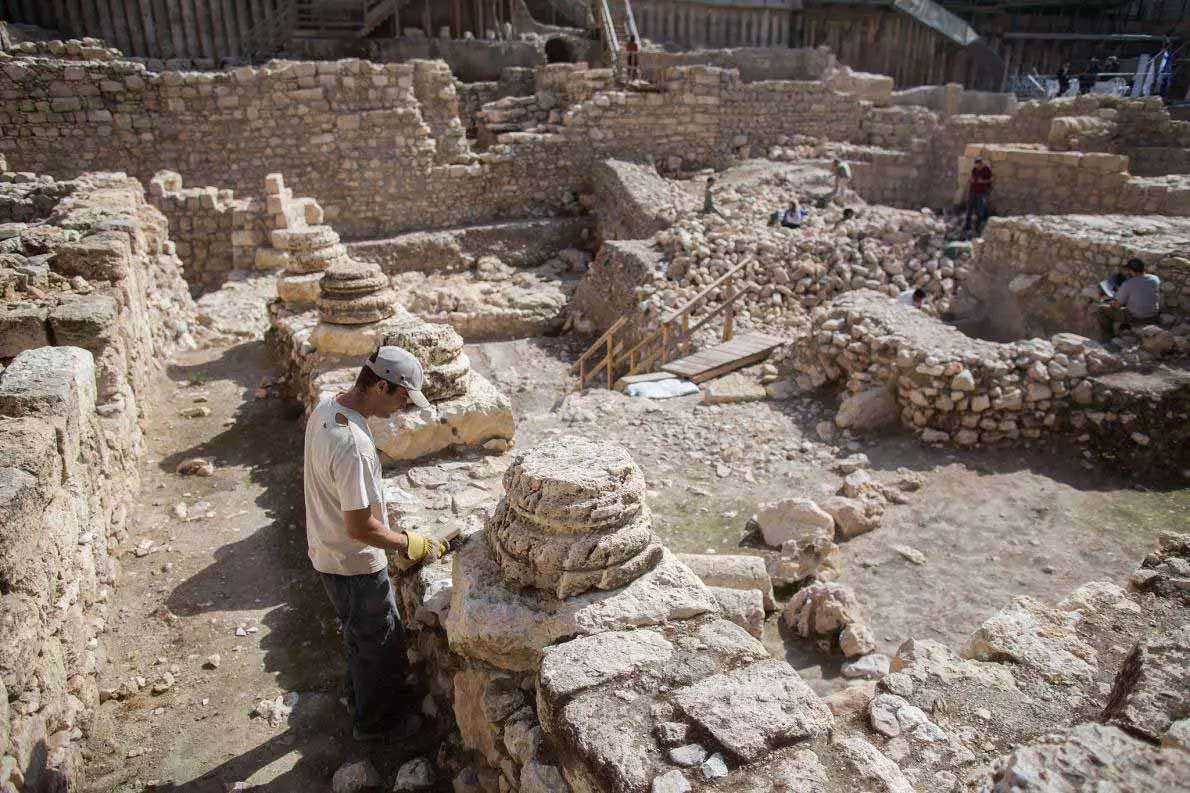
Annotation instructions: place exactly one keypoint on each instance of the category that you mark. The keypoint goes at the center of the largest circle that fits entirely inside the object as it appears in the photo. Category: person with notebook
(1137, 302)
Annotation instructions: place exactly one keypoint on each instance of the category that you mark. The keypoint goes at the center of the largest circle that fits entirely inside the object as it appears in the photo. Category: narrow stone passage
(217, 566)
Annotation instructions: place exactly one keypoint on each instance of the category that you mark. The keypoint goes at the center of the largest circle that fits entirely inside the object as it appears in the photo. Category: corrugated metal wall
(194, 29)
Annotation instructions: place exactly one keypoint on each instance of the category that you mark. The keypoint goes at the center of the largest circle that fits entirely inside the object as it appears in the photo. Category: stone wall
(1030, 180)
(755, 64)
(951, 388)
(381, 146)
(213, 231)
(100, 282)
(633, 201)
(1038, 275)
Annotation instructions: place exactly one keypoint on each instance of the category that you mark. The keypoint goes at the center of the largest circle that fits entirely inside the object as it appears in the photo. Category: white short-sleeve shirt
(342, 473)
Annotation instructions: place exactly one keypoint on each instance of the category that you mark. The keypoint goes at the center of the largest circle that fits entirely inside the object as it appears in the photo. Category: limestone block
(29, 444)
(732, 388)
(483, 698)
(54, 383)
(99, 257)
(23, 629)
(869, 410)
(871, 765)
(732, 571)
(480, 415)
(22, 327)
(1152, 688)
(744, 607)
(793, 519)
(573, 519)
(597, 661)
(299, 289)
(755, 709)
(1039, 638)
(509, 626)
(87, 321)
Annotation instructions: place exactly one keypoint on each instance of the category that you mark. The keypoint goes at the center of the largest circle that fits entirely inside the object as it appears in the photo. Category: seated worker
(794, 216)
(1137, 302)
(912, 297)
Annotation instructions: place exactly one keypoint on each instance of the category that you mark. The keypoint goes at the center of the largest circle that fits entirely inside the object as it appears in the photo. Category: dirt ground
(991, 524)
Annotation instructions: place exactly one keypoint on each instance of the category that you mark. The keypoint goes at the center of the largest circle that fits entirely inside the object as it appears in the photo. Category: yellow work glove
(422, 547)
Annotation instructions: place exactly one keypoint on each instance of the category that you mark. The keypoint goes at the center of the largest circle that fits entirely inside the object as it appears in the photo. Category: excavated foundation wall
(921, 174)
(94, 300)
(214, 232)
(1038, 275)
(950, 388)
(379, 145)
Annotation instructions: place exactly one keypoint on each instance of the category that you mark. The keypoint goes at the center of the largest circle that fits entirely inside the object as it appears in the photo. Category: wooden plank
(136, 35)
(190, 29)
(244, 25)
(202, 14)
(105, 23)
(218, 36)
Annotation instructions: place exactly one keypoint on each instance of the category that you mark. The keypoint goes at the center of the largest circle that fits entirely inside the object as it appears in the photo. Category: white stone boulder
(793, 519)
(873, 409)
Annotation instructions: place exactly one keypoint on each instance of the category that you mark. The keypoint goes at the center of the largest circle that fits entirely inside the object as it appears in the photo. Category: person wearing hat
(348, 535)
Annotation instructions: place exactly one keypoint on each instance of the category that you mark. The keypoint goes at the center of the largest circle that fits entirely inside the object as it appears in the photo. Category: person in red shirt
(633, 50)
(977, 196)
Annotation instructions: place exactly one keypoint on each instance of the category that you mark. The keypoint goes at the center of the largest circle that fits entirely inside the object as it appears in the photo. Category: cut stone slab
(735, 387)
(732, 571)
(793, 519)
(744, 607)
(1152, 689)
(756, 709)
(480, 415)
(590, 661)
(871, 765)
(509, 627)
(22, 327)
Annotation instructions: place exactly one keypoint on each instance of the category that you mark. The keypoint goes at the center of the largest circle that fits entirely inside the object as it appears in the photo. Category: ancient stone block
(88, 321)
(21, 328)
(756, 709)
(573, 519)
(99, 257)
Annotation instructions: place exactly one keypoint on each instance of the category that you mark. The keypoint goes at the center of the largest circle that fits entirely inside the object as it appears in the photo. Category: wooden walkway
(723, 358)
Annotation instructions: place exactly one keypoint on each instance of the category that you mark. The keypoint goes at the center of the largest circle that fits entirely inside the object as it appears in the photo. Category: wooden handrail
(619, 323)
(647, 348)
(704, 293)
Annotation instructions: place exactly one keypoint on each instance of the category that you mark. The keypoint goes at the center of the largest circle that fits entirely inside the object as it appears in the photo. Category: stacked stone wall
(379, 145)
(94, 300)
(213, 231)
(951, 388)
(1041, 181)
(1038, 275)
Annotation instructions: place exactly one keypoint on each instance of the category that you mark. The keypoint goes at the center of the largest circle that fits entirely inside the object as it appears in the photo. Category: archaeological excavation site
(594, 397)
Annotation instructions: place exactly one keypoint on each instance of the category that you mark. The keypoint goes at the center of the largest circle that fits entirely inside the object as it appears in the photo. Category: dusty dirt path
(237, 560)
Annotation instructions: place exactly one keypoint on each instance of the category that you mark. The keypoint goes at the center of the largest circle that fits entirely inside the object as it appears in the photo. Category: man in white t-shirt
(348, 534)
(914, 298)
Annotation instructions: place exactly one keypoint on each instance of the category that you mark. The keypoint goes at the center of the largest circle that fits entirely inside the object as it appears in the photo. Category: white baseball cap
(398, 366)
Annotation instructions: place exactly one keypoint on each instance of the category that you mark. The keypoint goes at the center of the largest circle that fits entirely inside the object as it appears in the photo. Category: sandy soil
(242, 565)
(992, 525)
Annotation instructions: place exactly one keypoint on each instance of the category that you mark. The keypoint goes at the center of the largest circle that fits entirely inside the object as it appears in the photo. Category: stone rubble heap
(93, 301)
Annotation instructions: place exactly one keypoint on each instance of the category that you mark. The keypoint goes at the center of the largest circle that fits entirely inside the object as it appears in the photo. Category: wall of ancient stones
(951, 388)
(93, 300)
(1038, 275)
(379, 145)
(214, 232)
(1041, 181)
(912, 177)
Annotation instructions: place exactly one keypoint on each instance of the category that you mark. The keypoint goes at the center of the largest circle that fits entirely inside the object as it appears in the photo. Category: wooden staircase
(616, 23)
(668, 347)
(345, 19)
